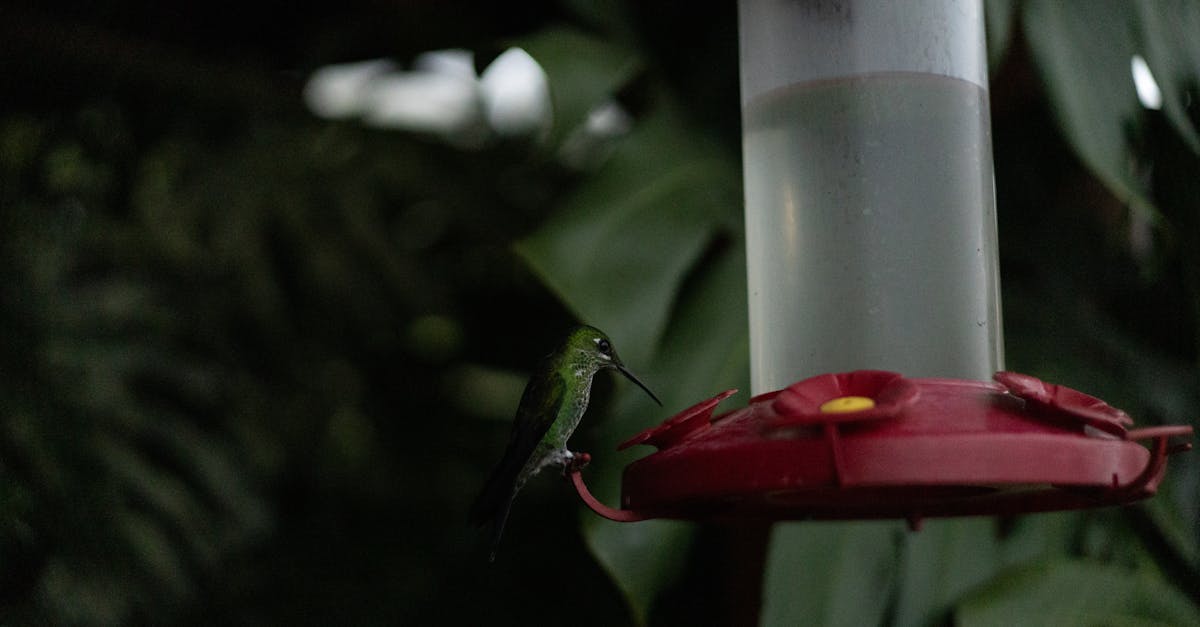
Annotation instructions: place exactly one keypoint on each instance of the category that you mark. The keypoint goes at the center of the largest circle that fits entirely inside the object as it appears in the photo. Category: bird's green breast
(570, 412)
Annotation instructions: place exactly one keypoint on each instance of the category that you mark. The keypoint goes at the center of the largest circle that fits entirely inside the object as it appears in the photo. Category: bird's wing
(536, 412)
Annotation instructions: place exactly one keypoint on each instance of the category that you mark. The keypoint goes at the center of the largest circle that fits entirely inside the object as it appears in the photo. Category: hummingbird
(550, 409)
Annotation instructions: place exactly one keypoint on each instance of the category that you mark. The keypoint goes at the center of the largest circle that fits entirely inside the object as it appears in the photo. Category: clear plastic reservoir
(870, 210)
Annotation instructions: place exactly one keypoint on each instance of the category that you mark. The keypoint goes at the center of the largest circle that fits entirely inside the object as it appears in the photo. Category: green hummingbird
(550, 409)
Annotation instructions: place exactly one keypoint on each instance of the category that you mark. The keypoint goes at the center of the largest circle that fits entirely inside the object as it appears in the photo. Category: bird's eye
(604, 347)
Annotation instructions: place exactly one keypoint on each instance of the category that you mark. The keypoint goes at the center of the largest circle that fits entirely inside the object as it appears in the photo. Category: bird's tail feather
(498, 522)
(495, 500)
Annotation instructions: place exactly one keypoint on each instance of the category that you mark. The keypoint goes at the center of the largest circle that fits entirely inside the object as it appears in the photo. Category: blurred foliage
(254, 364)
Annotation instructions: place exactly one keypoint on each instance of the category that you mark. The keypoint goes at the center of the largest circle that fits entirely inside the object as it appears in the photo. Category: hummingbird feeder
(871, 251)
(876, 444)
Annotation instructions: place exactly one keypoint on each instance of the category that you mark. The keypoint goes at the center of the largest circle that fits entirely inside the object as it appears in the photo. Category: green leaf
(1172, 526)
(1083, 52)
(998, 19)
(835, 573)
(642, 558)
(1064, 593)
(1035, 537)
(583, 71)
(940, 562)
(619, 248)
(1169, 36)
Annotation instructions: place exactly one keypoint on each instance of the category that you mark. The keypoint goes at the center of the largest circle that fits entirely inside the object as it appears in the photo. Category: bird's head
(591, 346)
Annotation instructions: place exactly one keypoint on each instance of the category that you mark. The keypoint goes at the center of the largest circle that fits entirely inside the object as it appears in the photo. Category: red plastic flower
(1061, 403)
(844, 397)
(679, 426)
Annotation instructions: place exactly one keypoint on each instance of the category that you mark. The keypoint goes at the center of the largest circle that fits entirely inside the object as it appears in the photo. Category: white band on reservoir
(798, 41)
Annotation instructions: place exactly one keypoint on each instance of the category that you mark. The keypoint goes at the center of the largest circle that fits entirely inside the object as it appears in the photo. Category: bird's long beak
(625, 371)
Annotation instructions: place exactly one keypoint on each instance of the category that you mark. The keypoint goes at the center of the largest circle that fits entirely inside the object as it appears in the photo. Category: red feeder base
(873, 444)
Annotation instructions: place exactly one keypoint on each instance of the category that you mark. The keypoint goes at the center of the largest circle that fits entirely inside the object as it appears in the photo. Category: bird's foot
(576, 462)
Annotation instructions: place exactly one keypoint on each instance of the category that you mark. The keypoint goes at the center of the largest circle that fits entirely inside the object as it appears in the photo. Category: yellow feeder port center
(847, 404)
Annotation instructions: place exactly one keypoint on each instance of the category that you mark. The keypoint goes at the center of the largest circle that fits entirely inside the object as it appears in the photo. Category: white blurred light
(339, 91)
(590, 143)
(1147, 89)
(454, 62)
(442, 95)
(422, 101)
(609, 119)
(516, 94)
